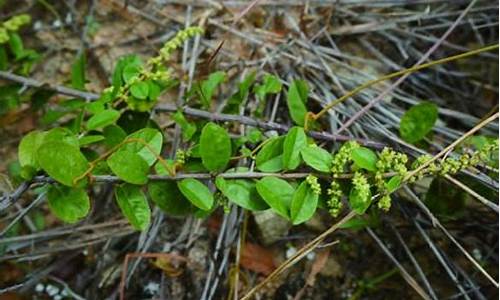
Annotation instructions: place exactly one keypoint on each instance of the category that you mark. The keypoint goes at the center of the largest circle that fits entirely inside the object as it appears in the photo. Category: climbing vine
(109, 139)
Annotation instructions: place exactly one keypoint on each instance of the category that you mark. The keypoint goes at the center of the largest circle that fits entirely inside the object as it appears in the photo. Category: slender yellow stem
(312, 116)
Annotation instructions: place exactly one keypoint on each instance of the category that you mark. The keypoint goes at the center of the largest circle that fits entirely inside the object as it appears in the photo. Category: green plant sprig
(155, 69)
(99, 145)
(12, 25)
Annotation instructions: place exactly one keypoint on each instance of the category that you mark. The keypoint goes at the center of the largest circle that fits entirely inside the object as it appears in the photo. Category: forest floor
(334, 46)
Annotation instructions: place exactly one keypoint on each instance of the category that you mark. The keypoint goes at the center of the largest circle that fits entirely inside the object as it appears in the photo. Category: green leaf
(160, 168)
(151, 137)
(215, 147)
(62, 161)
(103, 119)
(197, 193)
(129, 166)
(296, 100)
(68, 204)
(236, 100)
(78, 72)
(269, 158)
(241, 192)
(277, 193)
(90, 139)
(418, 121)
(4, 59)
(188, 129)
(295, 141)
(304, 203)
(393, 183)
(169, 198)
(130, 71)
(365, 158)
(140, 90)
(16, 45)
(134, 205)
(359, 203)
(28, 148)
(154, 90)
(271, 85)
(317, 158)
(60, 134)
(51, 116)
(254, 135)
(113, 135)
(207, 87)
(117, 78)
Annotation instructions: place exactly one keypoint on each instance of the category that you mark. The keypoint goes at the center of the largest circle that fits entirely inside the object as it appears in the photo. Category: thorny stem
(312, 116)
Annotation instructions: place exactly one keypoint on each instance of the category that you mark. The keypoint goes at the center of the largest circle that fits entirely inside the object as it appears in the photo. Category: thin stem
(167, 107)
(93, 163)
(397, 74)
(451, 146)
(206, 176)
(299, 255)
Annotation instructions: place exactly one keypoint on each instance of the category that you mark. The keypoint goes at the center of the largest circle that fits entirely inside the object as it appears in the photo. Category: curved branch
(167, 107)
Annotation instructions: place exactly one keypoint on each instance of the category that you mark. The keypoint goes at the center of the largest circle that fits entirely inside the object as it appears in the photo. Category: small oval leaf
(197, 193)
(317, 158)
(140, 90)
(62, 162)
(103, 119)
(68, 204)
(269, 158)
(28, 147)
(296, 100)
(277, 193)
(365, 158)
(146, 142)
(129, 166)
(418, 121)
(295, 141)
(304, 203)
(241, 192)
(134, 205)
(169, 198)
(215, 147)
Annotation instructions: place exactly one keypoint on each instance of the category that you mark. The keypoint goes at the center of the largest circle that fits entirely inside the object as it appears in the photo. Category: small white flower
(69, 18)
(290, 252)
(39, 288)
(152, 288)
(52, 290)
(57, 23)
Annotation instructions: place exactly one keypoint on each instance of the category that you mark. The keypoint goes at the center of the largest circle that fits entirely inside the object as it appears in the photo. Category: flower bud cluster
(384, 203)
(360, 183)
(313, 183)
(343, 156)
(334, 201)
(452, 165)
(155, 69)
(13, 24)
